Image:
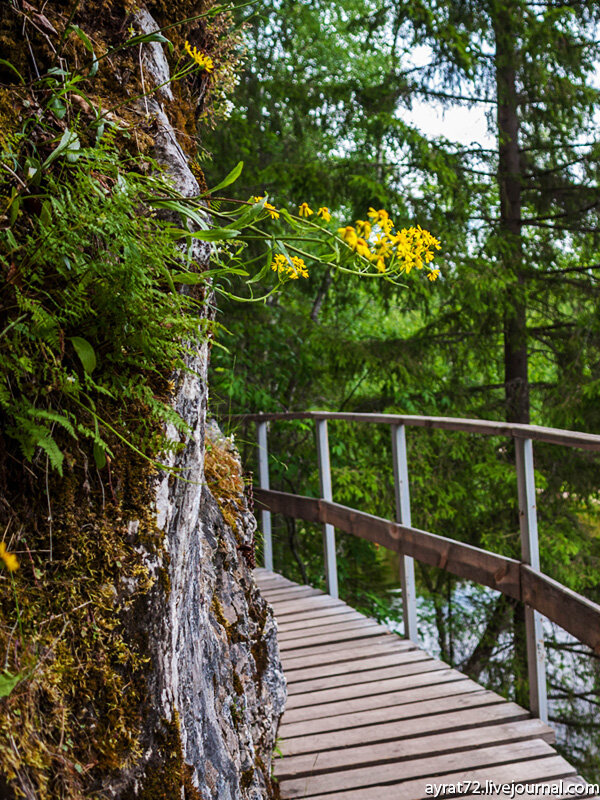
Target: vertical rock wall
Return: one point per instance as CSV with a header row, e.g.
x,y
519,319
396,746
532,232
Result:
x,y
217,664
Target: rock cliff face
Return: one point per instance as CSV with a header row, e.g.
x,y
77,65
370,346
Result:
x,y
139,661
217,668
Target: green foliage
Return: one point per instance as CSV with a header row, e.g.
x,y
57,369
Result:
x,y
89,307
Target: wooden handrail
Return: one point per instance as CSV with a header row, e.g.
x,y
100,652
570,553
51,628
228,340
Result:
x,y
584,441
520,580
572,611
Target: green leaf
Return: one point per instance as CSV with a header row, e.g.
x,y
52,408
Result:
x,y
52,416
99,456
69,143
180,208
190,278
52,450
249,216
233,176
88,46
205,235
8,682
6,63
83,36
86,353
144,38
215,234
288,217
15,205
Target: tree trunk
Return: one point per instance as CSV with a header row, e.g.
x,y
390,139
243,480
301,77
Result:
x,y
516,384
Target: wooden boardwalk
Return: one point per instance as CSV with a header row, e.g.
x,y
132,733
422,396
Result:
x,y
371,716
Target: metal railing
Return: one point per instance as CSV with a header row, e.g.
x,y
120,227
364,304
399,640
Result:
x,y
521,580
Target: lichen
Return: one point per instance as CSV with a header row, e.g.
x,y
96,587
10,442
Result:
x,y
224,479
168,774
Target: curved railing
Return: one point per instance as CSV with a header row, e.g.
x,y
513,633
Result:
x,y
520,580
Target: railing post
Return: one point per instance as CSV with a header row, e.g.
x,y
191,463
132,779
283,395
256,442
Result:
x,y
263,476
326,494
530,555
407,564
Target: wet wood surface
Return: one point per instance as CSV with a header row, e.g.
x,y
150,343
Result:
x,y
371,716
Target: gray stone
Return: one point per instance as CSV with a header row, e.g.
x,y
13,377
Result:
x,y
214,643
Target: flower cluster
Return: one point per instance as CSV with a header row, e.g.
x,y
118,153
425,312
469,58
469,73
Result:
x,y
11,562
304,210
293,267
203,61
268,207
375,240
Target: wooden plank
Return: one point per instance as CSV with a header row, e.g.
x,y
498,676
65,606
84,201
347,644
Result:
x,y
342,651
526,772
367,662
372,688
308,603
584,441
264,577
303,621
331,638
425,709
570,610
276,596
465,561
357,625
283,586
473,720
404,752
365,676
444,688
459,762
351,682
269,584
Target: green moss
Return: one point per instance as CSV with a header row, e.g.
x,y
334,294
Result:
x,y
237,684
168,774
246,778
79,713
231,629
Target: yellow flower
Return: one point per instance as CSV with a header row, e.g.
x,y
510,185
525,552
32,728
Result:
x,y
272,211
362,248
380,264
324,212
434,274
386,224
349,235
279,263
300,268
294,267
204,62
268,207
383,246
378,216
304,210
10,560
363,228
